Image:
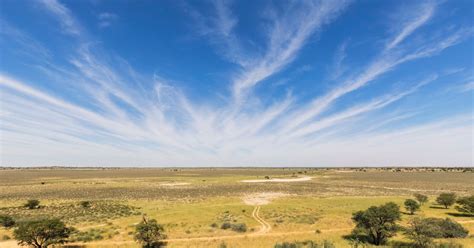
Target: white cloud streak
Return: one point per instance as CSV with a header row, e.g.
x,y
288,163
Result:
x,y
63,15
128,122
287,36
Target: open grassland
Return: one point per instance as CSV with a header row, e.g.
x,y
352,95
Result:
x,y
192,204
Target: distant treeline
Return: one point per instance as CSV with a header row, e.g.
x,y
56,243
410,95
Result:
x,y
364,169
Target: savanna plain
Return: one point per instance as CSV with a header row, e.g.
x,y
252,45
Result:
x,y
229,207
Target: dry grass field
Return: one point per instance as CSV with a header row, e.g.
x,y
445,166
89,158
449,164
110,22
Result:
x,y
192,204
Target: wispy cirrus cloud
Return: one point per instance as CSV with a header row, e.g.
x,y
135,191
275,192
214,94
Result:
x,y
63,14
106,19
130,117
287,36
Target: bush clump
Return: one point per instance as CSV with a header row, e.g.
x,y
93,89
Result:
x,y
466,205
240,227
150,234
7,221
32,204
305,244
85,204
226,225
89,235
423,231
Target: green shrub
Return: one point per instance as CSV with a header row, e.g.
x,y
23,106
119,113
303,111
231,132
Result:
x,y
89,235
85,204
452,229
150,234
305,244
6,221
226,225
466,205
32,204
423,231
286,245
241,227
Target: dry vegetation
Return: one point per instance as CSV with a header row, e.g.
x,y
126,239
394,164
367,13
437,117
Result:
x,y
193,204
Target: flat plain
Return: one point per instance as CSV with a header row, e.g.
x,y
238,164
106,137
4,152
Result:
x,y
275,204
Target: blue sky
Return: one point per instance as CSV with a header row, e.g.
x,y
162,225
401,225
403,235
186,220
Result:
x,y
236,83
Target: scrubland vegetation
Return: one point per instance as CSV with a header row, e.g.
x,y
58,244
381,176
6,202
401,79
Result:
x,y
365,207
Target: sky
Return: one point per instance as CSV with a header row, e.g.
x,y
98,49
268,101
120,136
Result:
x,y
236,83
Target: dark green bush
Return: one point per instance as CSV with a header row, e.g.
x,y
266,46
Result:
x,y
150,234
85,204
32,204
305,244
240,227
6,221
226,225
466,205
423,231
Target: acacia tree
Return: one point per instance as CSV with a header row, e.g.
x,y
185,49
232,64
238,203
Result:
x,y
149,233
42,233
377,223
446,199
422,199
412,206
466,205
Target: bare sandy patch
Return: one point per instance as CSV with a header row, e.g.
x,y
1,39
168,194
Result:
x,y
174,184
262,198
279,180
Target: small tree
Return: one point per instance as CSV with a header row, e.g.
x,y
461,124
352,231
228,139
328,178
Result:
x,y
422,232
150,234
422,199
378,223
32,204
446,199
42,233
466,205
412,206
6,221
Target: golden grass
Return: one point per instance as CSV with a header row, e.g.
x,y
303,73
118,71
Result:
x,y
325,203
